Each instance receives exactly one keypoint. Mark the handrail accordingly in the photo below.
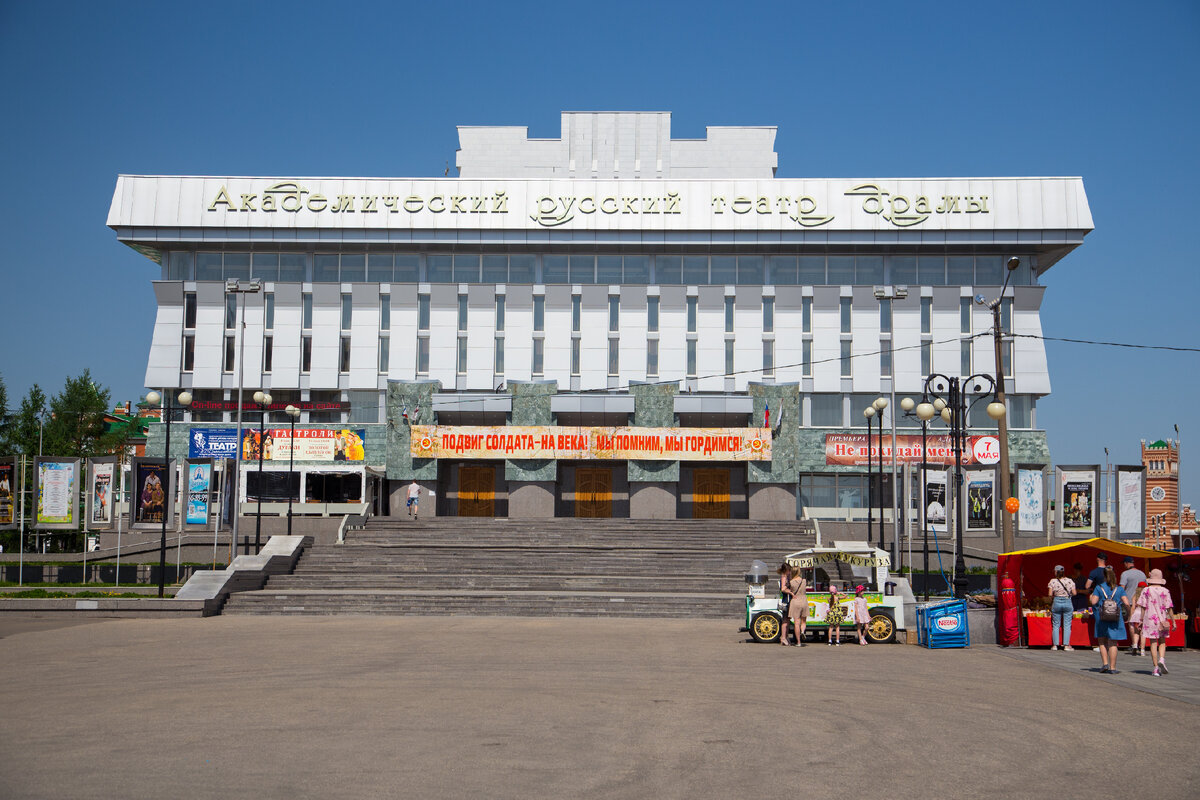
(357, 520)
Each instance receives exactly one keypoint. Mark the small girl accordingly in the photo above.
(834, 617)
(1135, 622)
(861, 614)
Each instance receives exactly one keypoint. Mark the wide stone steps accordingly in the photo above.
(560, 567)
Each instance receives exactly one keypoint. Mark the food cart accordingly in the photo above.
(1031, 571)
(765, 610)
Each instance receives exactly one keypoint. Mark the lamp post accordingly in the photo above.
(234, 286)
(1178, 488)
(956, 394)
(880, 404)
(869, 413)
(1005, 488)
(924, 411)
(185, 399)
(263, 400)
(292, 412)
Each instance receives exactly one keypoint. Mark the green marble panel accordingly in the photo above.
(654, 407)
(417, 397)
(531, 406)
(784, 399)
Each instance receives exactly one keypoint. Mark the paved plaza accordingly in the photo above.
(422, 707)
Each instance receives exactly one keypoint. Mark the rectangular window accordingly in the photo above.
(1006, 315)
(885, 315)
(652, 358)
(1006, 357)
(768, 359)
(539, 312)
(926, 315)
(845, 306)
(826, 410)
(268, 352)
(325, 268)
(729, 357)
(189, 353)
(385, 347)
(354, 268)
(964, 360)
(554, 269)
(292, 267)
(964, 316)
(614, 313)
(306, 311)
(423, 312)
(847, 361)
(614, 357)
(231, 309)
(691, 358)
(926, 358)
(499, 365)
(344, 355)
(806, 314)
(806, 358)
(347, 311)
(576, 312)
(885, 358)
(189, 310)
(306, 354)
(408, 268)
(179, 266)
(668, 269)
(695, 269)
(652, 314)
(461, 361)
(379, 267)
(422, 355)
(462, 312)
(269, 311)
(499, 312)
(539, 356)
(691, 314)
(768, 315)
(729, 315)
(230, 352)
(385, 312)
(575, 357)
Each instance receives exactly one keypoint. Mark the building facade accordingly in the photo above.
(544, 334)
(1165, 530)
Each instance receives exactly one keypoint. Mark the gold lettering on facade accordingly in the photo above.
(222, 198)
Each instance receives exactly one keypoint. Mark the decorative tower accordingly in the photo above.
(1161, 460)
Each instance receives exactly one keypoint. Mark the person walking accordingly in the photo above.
(862, 614)
(1130, 579)
(1096, 576)
(1110, 603)
(1135, 622)
(1062, 590)
(798, 607)
(1157, 619)
(414, 499)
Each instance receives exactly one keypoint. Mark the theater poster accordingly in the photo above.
(102, 489)
(1131, 506)
(1075, 510)
(935, 501)
(56, 487)
(980, 499)
(8, 493)
(199, 491)
(1031, 493)
(153, 484)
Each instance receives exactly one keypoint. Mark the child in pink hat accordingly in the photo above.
(1157, 619)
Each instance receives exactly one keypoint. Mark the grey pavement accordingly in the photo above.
(364, 707)
(1182, 683)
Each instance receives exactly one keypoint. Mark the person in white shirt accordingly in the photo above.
(414, 499)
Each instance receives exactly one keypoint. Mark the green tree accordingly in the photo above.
(76, 428)
(3, 418)
(22, 428)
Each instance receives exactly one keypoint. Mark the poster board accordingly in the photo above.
(979, 497)
(101, 488)
(152, 495)
(8, 492)
(1032, 517)
(56, 493)
(1131, 502)
(1077, 490)
(936, 508)
(199, 487)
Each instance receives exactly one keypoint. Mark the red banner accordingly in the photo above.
(850, 449)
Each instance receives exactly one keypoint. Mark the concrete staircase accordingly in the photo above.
(505, 567)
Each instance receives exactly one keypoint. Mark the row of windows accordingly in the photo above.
(528, 268)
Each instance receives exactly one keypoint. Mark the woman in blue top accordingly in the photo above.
(1109, 631)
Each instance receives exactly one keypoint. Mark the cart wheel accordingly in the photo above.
(881, 629)
(765, 627)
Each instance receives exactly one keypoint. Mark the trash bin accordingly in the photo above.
(943, 625)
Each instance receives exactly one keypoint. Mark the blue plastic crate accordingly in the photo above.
(943, 625)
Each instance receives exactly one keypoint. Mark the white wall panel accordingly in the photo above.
(748, 340)
(710, 344)
(481, 336)
(594, 343)
(166, 344)
(255, 319)
(826, 349)
(285, 358)
(210, 335)
(402, 352)
(326, 336)
(364, 336)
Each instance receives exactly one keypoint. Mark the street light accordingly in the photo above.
(869, 413)
(1006, 524)
(891, 293)
(234, 286)
(292, 412)
(954, 395)
(185, 399)
(923, 411)
(263, 400)
(880, 404)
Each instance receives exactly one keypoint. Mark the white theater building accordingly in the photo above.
(610, 278)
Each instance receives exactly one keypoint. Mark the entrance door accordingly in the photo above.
(476, 491)
(710, 494)
(593, 492)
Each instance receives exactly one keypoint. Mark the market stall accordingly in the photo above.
(1031, 571)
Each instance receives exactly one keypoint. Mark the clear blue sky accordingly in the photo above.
(1099, 89)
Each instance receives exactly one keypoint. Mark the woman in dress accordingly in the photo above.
(1109, 631)
(1157, 619)
(798, 607)
(785, 600)
(1062, 589)
(862, 614)
(1135, 621)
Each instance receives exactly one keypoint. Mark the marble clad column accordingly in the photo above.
(413, 395)
(653, 485)
(772, 484)
(531, 482)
